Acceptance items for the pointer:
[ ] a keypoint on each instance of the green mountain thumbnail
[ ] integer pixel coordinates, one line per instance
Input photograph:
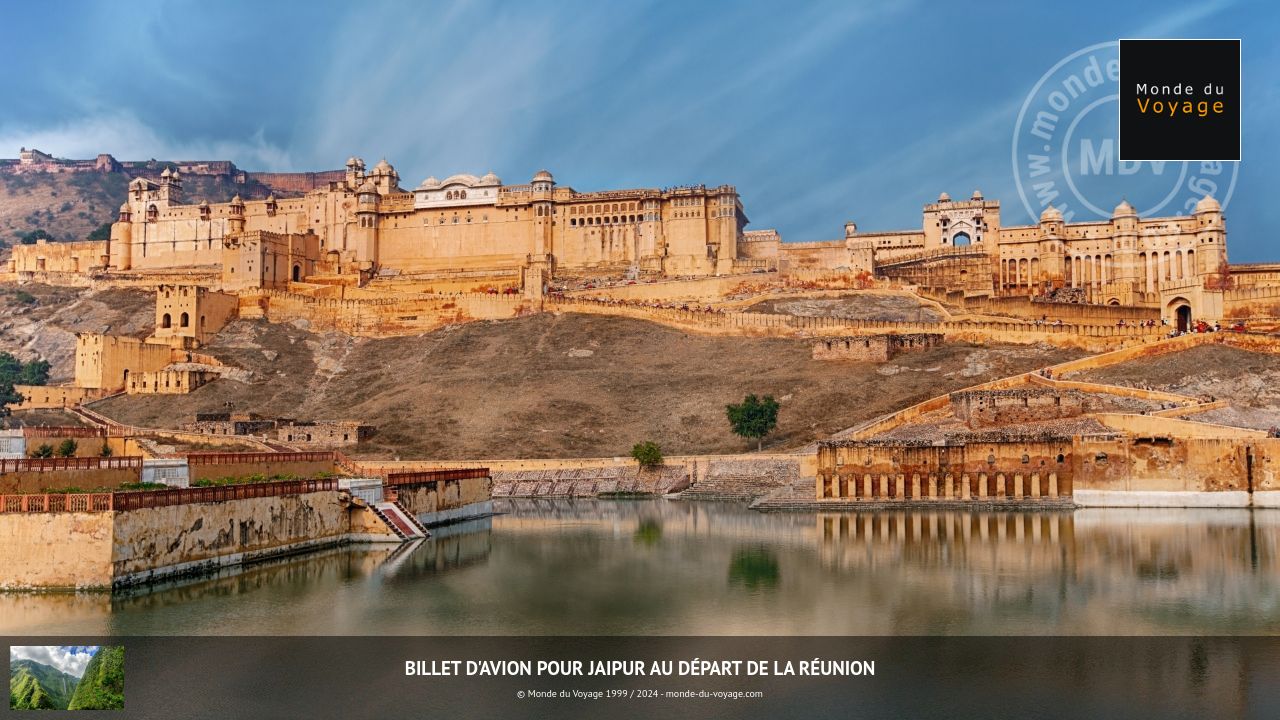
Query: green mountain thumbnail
(36, 686)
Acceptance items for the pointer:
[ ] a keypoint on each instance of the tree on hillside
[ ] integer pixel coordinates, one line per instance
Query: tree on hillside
(15, 372)
(753, 418)
(67, 448)
(102, 232)
(30, 238)
(42, 452)
(647, 453)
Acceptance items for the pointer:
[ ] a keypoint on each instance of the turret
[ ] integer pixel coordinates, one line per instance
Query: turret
(1211, 237)
(236, 223)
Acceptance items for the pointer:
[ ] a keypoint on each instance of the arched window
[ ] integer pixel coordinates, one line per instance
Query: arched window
(184, 320)
(166, 321)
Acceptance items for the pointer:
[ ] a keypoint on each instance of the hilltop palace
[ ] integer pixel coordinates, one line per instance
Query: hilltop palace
(466, 229)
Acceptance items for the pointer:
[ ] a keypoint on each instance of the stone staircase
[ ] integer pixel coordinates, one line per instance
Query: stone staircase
(743, 480)
(401, 521)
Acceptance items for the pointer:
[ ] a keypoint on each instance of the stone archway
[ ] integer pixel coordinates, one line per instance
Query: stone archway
(960, 239)
(1180, 310)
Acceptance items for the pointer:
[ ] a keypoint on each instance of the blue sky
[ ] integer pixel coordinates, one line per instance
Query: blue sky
(819, 112)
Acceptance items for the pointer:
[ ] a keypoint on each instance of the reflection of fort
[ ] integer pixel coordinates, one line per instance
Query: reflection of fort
(688, 520)
(1174, 570)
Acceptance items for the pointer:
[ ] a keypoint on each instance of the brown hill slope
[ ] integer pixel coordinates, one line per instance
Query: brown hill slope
(563, 386)
(40, 321)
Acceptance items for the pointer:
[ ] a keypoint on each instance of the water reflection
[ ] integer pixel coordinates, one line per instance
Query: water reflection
(661, 567)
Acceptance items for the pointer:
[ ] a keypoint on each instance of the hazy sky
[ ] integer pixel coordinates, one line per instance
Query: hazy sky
(818, 112)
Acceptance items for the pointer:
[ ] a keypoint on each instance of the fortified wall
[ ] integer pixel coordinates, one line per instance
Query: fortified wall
(874, 348)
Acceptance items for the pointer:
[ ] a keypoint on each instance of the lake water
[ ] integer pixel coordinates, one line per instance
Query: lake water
(657, 567)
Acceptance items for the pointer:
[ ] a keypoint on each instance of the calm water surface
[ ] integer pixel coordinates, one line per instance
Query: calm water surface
(662, 567)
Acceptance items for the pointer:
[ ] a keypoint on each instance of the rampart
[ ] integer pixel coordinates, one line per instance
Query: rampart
(212, 466)
(873, 348)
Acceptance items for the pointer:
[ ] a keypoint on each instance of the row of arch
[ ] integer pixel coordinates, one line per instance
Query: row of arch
(1019, 272)
(606, 220)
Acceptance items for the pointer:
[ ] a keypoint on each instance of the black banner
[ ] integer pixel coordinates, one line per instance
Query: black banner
(697, 677)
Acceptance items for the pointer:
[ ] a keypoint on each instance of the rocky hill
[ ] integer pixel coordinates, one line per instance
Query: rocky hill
(36, 686)
(40, 321)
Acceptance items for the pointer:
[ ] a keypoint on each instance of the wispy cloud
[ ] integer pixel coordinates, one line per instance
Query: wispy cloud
(70, 659)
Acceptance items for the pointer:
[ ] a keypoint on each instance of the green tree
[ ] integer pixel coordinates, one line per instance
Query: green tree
(30, 238)
(105, 451)
(44, 451)
(67, 448)
(15, 372)
(102, 232)
(753, 418)
(647, 453)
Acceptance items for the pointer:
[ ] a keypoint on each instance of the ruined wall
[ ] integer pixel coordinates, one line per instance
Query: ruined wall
(169, 382)
(154, 542)
(71, 257)
(63, 549)
(987, 408)
(874, 348)
(322, 433)
(54, 396)
(435, 496)
(1163, 464)
(381, 317)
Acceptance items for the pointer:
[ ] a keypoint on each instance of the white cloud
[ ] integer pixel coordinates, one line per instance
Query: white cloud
(126, 137)
(70, 659)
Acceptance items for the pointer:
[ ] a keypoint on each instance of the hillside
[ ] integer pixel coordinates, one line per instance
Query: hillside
(102, 687)
(1249, 381)
(563, 386)
(69, 206)
(40, 321)
(36, 686)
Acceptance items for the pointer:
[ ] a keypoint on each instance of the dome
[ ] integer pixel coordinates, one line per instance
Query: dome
(271, 198)
(1124, 209)
(461, 179)
(431, 183)
(236, 200)
(1208, 204)
(204, 203)
(542, 175)
(383, 167)
(166, 172)
(944, 198)
(490, 179)
(368, 188)
(353, 161)
(1051, 214)
(977, 195)
(124, 207)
